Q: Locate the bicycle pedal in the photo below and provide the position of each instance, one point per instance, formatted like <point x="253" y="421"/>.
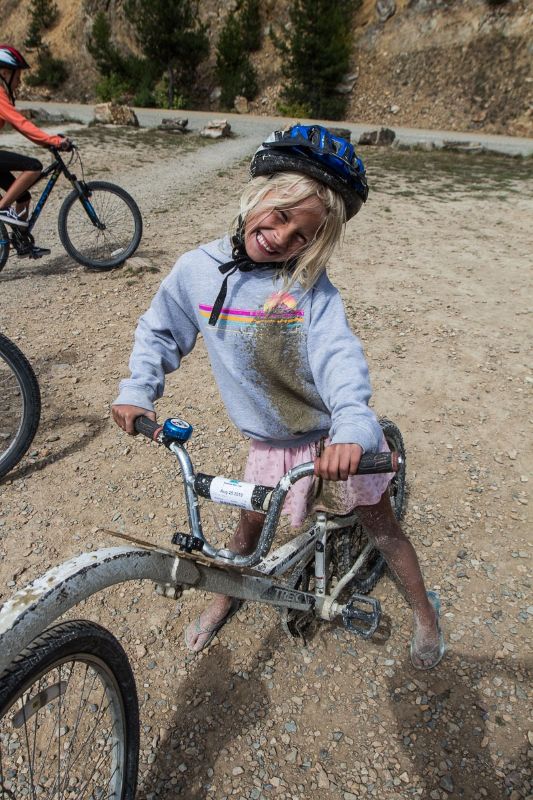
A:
<point x="361" y="615"/>
<point x="39" y="252"/>
<point x="187" y="542"/>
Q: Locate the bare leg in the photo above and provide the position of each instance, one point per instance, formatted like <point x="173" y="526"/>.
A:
<point x="22" y="208"/>
<point x="243" y="541"/>
<point x="386" y="534"/>
<point x="23" y="182"/>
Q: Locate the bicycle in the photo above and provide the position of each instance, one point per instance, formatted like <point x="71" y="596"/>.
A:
<point x="100" y="232"/>
<point x="20" y="400"/>
<point x="72" y="684"/>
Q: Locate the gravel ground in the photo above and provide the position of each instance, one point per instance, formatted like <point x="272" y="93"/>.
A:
<point x="434" y="275"/>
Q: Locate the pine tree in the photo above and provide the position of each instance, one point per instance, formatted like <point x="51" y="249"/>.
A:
<point x="105" y="54"/>
<point x="50" y="71"/>
<point x="170" y="37"/>
<point x="317" y="55"/>
<point x="43" y="14"/>
<point x="240" y="34"/>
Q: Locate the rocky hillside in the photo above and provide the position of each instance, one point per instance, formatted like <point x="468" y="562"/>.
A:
<point x="454" y="64"/>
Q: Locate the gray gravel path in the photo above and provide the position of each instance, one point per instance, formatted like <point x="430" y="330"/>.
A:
<point x="255" y="126"/>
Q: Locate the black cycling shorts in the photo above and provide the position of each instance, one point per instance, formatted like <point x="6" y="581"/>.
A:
<point x="14" y="161"/>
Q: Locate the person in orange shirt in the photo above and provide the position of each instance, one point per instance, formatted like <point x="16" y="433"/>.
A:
<point x="14" y="204"/>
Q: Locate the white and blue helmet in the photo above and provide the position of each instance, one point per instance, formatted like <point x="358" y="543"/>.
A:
<point x="10" y="58"/>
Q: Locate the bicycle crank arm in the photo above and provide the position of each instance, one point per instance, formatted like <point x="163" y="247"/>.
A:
<point x="361" y="615"/>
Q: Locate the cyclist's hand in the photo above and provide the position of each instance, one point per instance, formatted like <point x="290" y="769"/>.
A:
<point x="66" y="145"/>
<point x="338" y="461"/>
<point x="125" y="416"/>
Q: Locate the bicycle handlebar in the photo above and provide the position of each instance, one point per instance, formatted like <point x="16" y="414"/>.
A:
<point x="72" y="146"/>
<point x="147" y="427"/>
<point x="261" y="498"/>
<point x="370" y="463"/>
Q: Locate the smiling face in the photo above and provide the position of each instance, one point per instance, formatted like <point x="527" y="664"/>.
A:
<point x="278" y="234"/>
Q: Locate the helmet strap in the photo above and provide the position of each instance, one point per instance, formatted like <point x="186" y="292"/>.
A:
<point x="7" y="84"/>
<point x="242" y="262"/>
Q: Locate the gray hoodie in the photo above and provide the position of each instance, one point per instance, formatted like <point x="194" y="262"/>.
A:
<point x="288" y="368"/>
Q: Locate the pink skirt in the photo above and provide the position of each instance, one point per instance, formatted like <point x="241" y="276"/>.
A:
<point x="267" y="464"/>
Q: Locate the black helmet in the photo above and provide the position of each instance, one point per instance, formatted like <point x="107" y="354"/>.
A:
<point x="316" y="152"/>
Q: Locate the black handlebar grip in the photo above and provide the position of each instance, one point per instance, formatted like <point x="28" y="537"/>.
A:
<point x="147" y="427"/>
<point x="372" y="463"/>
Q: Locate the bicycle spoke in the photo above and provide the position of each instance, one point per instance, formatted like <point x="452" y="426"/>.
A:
<point x="78" y="717"/>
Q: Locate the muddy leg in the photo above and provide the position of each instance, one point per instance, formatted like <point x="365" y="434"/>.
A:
<point x="243" y="542"/>
<point x="386" y="534"/>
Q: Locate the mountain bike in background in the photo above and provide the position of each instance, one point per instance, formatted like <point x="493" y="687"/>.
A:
<point x="100" y="225"/>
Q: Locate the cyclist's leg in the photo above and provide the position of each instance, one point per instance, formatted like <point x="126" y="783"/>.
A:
<point x="16" y="189"/>
<point x="386" y="534"/>
<point x="201" y="631"/>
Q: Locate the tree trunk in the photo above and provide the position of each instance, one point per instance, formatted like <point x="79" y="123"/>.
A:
<point x="170" y="87"/>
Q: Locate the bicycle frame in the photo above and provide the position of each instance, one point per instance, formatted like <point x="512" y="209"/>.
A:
<point x="54" y="170"/>
<point x="34" y="607"/>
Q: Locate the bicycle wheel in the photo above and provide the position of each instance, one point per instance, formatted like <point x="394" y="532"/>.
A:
<point x="4" y="245"/>
<point x="20" y="404"/>
<point x="101" y="230"/>
<point x="69" y="718"/>
<point x="350" y="542"/>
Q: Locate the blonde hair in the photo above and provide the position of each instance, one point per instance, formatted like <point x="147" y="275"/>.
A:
<point x="285" y="190"/>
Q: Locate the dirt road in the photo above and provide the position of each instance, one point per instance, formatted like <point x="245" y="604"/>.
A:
<point x="434" y="275"/>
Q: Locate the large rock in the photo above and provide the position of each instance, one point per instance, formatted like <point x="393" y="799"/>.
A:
<point x="216" y="129"/>
<point x="384" y="137"/>
<point x="347" y="83"/>
<point x="42" y="115"/>
<point x="241" y="104"/>
<point x="115" y="114"/>
<point x="385" y="9"/>
<point x="173" y="125"/>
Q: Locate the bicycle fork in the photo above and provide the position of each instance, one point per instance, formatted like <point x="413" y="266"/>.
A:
<point x="84" y="194"/>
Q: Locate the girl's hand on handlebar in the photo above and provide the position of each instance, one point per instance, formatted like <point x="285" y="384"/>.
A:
<point x="125" y="416"/>
<point x="338" y="461"/>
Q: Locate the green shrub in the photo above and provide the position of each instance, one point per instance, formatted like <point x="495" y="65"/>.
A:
<point x="161" y="96"/>
<point x="112" y="88"/>
<point x="296" y="110"/>
<point x="144" y="98"/>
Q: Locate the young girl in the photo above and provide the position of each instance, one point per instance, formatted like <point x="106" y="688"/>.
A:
<point x="16" y="194"/>
<point x="291" y="373"/>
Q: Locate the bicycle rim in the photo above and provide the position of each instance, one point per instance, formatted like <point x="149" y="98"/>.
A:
<point x="20" y="403"/>
<point x="65" y="731"/>
<point x="118" y="236"/>
<point x="4" y="245"/>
